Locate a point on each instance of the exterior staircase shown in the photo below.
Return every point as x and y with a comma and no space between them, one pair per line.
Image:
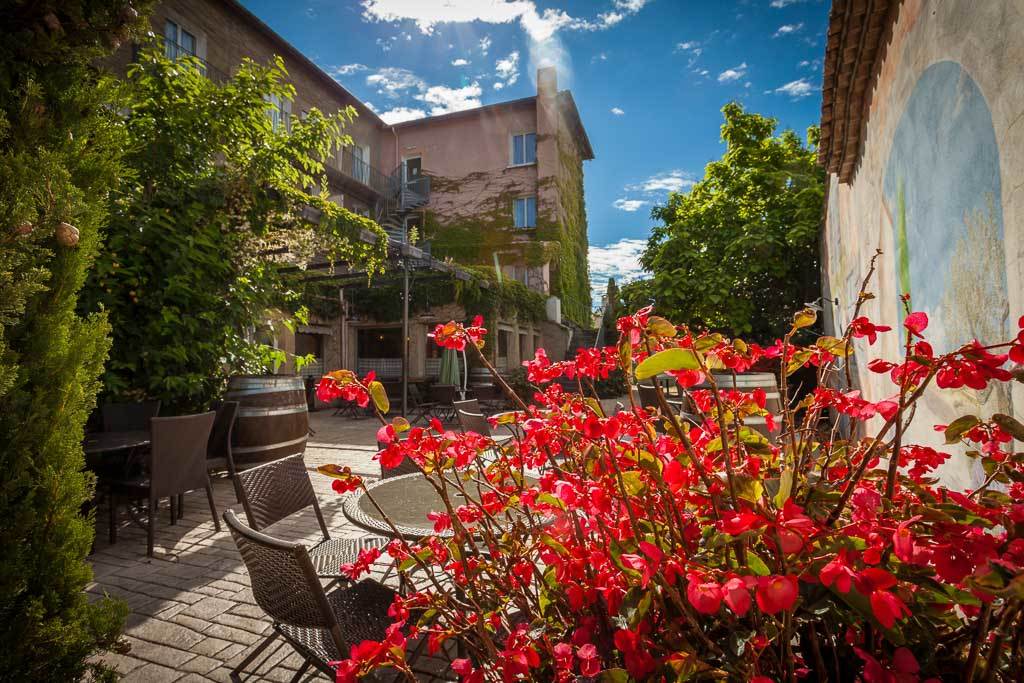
402,198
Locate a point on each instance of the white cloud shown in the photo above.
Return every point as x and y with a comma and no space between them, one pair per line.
733,74
485,45
668,181
620,260
629,205
446,100
599,57
786,29
779,4
399,114
392,81
460,62
346,69
687,46
499,85
617,111
507,70
797,89
633,6
540,25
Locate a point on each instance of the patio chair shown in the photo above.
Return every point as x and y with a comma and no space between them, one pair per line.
490,396
280,489
322,627
176,464
439,402
129,417
218,448
649,400
472,420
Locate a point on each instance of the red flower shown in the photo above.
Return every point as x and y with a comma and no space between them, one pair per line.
887,608
838,572
736,592
862,327
776,593
705,596
391,457
916,323
442,521
590,661
353,570
467,674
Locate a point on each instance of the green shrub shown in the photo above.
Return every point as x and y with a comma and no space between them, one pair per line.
60,150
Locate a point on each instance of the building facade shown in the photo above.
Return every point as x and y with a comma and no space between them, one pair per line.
923,139
498,187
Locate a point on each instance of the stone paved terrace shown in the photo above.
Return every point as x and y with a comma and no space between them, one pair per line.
193,616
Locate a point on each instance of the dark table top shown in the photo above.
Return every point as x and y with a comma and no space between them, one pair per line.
406,500
106,442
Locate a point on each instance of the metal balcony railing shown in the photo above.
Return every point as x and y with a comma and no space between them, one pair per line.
173,50
356,168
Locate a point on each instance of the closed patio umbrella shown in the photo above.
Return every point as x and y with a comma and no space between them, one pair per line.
449,372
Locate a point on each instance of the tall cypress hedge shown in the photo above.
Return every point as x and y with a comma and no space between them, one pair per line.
60,150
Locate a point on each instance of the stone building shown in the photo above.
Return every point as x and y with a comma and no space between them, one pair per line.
923,140
498,187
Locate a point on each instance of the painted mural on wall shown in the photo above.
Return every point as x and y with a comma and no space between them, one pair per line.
943,206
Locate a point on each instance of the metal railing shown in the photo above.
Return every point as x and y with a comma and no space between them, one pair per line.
174,51
344,161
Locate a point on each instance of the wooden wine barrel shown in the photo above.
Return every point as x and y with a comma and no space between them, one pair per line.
272,422
747,382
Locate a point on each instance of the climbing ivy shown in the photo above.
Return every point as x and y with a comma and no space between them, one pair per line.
473,235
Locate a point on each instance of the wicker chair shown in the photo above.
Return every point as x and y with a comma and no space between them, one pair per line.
279,489
129,417
176,465
322,627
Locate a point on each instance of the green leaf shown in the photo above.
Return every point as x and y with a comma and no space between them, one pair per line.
380,397
669,359
960,426
756,564
804,318
633,482
614,676
785,488
1009,425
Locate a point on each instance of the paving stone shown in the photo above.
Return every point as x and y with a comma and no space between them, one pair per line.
191,622
208,608
159,654
254,625
210,647
235,635
120,663
200,664
153,673
247,610
165,633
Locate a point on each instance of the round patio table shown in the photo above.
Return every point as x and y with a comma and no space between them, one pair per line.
406,499
108,442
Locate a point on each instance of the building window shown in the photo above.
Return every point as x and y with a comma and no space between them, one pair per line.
525,211
524,149
280,112
177,41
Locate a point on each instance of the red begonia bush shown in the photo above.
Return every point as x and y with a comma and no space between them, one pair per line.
638,546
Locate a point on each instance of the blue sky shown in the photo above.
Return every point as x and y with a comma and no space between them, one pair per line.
649,78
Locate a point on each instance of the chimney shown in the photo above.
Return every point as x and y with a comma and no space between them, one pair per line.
547,81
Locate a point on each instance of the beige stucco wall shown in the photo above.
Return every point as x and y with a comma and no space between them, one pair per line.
980,279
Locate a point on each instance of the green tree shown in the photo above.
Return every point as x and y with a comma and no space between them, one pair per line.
206,234
60,149
738,253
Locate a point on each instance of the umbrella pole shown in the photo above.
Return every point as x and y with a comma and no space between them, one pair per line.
405,337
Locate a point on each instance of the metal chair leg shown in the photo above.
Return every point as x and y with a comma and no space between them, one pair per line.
235,673
213,506
181,504
151,528
174,510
